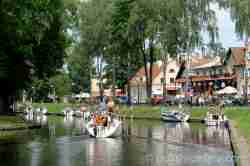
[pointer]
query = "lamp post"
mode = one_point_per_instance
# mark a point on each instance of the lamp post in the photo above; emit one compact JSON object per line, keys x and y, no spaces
{"x":32,"y":94}
{"x":53,"y":92}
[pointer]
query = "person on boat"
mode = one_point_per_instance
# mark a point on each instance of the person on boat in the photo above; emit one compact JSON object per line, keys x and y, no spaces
{"x":83,"y":108}
{"x":103,"y":106}
{"x":110,"y":105}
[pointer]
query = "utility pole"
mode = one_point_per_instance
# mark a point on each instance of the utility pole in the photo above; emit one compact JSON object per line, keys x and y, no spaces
{"x":129,"y":86}
{"x":114,"y":76}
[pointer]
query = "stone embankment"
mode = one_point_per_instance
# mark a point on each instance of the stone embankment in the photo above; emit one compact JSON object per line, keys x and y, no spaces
{"x":240,"y":146}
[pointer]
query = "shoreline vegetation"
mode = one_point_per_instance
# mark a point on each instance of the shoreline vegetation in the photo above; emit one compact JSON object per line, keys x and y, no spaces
{"x":8,"y":123}
{"x":14,"y":123}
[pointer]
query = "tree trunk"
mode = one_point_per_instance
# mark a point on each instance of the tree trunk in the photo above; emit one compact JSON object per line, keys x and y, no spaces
{"x":146,"y":72}
{"x":90,"y":79}
{"x":129,"y":75}
{"x":165,"y":62}
{"x":113,"y":77}
{"x":5,"y":103}
{"x":100,"y":78}
{"x":151,"y":55}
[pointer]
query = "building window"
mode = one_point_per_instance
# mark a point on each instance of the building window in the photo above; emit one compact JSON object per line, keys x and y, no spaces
{"x":210,"y":72}
{"x":242,"y":70}
{"x":220,"y":71}
{"x":171,"y":80}
{"x":171,"y":71}
{"x":217,"y":71}
{"x":248,"y":56}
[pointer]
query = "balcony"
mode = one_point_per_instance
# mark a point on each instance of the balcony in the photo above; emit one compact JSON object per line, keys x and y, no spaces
{"x":225,"y":76}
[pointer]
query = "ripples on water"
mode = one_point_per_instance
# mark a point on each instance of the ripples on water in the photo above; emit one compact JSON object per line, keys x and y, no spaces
{"x":65,"y":142}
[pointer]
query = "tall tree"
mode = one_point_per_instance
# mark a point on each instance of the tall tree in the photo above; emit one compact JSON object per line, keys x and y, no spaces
{"x":181,"y":27}
{"x":94,"y":28}
{"x":40,"y":47}
{"x":122,"y":44}
{"x":240,"y":13}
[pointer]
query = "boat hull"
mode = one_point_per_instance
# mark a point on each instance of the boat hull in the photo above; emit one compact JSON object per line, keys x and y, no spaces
{"x":114,"y":130}
{"x":220,"y":121}
{"x":174,"y":117}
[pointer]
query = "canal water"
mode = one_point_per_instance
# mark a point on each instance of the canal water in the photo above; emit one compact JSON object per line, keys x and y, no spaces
{"x":65,"y":142}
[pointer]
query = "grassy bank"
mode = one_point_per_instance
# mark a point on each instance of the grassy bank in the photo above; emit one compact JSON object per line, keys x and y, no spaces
{"x":10,"y":122}
{"x":53,"y":107}
{"x":241,"y":118}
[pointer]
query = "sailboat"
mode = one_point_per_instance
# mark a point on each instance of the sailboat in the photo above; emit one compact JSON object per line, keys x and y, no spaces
{"x":174,"y":115}
{"x":112,"y":128}
{"x":215,"y":119}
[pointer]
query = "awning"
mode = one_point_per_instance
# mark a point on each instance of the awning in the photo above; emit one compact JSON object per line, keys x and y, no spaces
{"x":171,"y":88}
{"x":205,"y":78}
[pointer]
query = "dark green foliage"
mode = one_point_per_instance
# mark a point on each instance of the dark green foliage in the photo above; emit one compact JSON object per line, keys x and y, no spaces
{"x":79,"y":70}
{"x":31,"y":36}
{"x":240,"y":12}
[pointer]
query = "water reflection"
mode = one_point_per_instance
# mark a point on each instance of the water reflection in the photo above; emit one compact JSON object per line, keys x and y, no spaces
{"x":39,"y":119}
{"x":64,"y":142}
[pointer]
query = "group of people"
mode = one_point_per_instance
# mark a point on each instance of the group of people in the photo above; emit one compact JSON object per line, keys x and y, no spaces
{"x":103,"y":117}
{"x":107,"y":105}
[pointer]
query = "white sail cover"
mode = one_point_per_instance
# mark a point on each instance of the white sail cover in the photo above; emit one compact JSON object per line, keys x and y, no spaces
{"x":227,"y":91}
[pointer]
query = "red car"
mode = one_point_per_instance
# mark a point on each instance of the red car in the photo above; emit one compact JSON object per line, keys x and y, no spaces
{"x":157,"y":99}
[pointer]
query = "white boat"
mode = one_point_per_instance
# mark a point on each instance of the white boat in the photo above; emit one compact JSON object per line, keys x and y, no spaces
{"x":174,"y":116}
{"x":44,"y":110}
{"x":78,"y":113}
{"x":100,"y":131}
{"x":68,"y":112}
{"x":215,"y":119}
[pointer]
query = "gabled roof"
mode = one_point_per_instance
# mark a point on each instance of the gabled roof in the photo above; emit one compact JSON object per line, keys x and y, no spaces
{"x":197,"y":61}
{"x":205,"y":62}
{"x":155,"y":69}
{"x":238,"y":54}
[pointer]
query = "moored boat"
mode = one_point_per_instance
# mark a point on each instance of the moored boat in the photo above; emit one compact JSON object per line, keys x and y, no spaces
{"x":174,"y":116}
{"x":213,"y":119}
{"x":68,"y":112}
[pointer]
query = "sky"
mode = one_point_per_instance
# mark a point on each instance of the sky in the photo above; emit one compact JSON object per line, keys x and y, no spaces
{"x":227,"y":33}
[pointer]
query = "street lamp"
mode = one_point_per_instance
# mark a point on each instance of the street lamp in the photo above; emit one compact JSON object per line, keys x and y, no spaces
{"x":32,"y":94}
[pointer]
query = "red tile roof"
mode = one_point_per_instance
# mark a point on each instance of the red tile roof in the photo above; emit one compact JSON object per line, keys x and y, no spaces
{"x":199,"y":61}
{"x":141,"y":72}
{"x":238,"y":54}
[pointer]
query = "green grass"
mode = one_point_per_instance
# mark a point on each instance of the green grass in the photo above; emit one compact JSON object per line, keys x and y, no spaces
{"x":11,"y":122}
{"x":53,"y":107}
{"x":241,"y":117}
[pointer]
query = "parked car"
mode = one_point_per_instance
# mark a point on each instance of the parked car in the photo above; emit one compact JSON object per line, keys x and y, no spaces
{"x":122,"y":99}
{"x":239,"y":101}
{"x":157,"y":99}
{"x":232,"y":101}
